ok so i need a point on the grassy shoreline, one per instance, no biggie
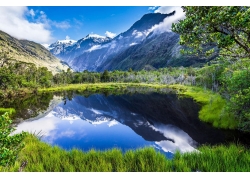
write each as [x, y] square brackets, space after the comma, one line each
[98, 86]
[212, 104]
[42, 157]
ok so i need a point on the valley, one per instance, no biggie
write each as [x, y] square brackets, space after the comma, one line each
[166, 94]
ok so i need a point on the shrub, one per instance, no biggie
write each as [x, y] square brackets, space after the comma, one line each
[10, 145]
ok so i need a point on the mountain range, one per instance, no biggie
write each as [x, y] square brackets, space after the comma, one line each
[145, 45]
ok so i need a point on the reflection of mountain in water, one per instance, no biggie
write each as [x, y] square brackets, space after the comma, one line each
[156, 117]
[103, 122]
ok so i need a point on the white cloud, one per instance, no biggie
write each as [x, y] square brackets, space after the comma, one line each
[48, 23]
[110, 34]
[67, 133]
[137, 34]
[93, 48]
[46, 45]
[13, 22]
[61, 25]
[46, 126]
[32, 13]
[67, 37]
[165, 26]
[153, 7]
[112, 123]
[182, 141]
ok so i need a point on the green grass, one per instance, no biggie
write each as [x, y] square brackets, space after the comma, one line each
[41, 157]
[221, 158]
[11, 111]
[97, 86]
[212, 106]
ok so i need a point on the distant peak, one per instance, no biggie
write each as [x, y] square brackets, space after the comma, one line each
[66, 41]
[95, 36]
[158, 14]
[149, 20]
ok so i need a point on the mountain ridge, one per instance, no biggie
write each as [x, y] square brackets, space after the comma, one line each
[140, 47]
[29, 52]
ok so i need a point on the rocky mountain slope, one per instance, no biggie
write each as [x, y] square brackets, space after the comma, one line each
[29, 52]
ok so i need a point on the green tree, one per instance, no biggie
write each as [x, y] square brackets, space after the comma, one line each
[45, 76]
[105, 76]
[7, 79]
[225, 27]
[238, 87]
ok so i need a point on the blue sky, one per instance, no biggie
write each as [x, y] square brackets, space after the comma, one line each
[78, 21]
[46, 24]
[47, 21]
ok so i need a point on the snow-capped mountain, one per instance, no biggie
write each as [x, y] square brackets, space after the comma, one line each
[59, 46]
[147, 43]
[69, 51]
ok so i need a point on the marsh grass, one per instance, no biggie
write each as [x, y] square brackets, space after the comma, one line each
[231, 158]
[42, 157]
[98, 86]
[213, 106]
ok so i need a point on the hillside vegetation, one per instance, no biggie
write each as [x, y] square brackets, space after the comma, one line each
[29, 52]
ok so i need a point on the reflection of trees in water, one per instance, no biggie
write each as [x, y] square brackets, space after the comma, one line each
[122, 91]
[29, 106]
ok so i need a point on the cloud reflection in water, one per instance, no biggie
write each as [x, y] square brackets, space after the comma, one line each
[88, 121]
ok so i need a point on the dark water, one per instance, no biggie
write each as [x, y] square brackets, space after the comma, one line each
[127, 121]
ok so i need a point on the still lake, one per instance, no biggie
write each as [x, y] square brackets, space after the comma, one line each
[125, 121]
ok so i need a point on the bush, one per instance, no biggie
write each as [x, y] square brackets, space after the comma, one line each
[10, 145]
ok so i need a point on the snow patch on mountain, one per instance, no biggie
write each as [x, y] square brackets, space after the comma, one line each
[96, 38]
[132, 44]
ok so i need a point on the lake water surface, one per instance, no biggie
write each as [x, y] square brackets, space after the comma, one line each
[127, 121]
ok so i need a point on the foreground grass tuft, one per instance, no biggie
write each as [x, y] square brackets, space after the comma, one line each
[41, 157]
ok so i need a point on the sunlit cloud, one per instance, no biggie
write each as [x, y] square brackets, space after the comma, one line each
[46, 126]
[182, 141]
[112, 123]
[165, 26]
[110, 34]
[95, 47]
[14, 22]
